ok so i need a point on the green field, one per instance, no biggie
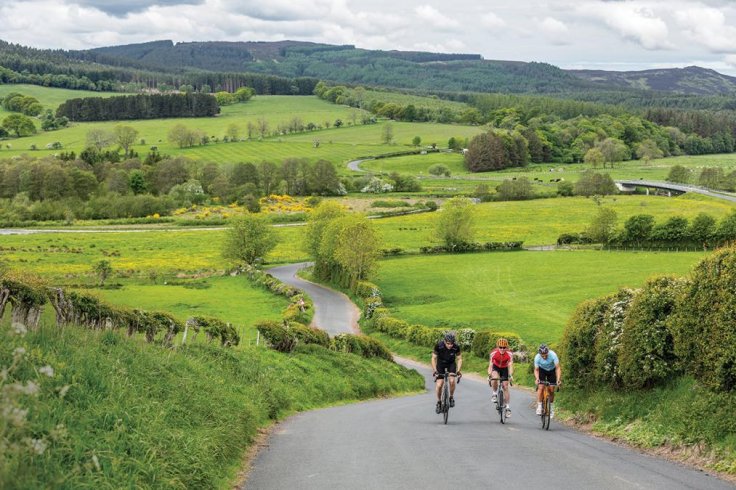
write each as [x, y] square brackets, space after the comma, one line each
[529, 293]
[541, 221]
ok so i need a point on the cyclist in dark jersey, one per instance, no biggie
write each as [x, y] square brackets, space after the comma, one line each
[446, 355]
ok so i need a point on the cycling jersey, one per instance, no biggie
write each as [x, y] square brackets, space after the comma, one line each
[501, 359]
[546, 364]
[446, 357]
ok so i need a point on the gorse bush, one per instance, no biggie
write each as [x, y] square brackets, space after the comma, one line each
[579, 341]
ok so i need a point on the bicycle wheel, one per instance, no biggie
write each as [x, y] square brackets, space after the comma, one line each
[446, 400]
[545, 414]
[501, 405]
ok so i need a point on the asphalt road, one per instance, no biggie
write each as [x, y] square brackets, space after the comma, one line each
[401, 444]
[333, 311]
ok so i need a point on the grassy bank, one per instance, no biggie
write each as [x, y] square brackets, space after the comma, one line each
[104, 411]
[681, 420]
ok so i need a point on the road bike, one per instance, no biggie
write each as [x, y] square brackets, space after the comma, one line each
[501, 398]
[546, 409]
[445, 398]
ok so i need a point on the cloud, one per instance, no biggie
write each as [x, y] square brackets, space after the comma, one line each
[555, 31]
[632, 20]
[492, 21]
[707, 26]
[730, 60]
[120, 9]
[450, 46]
[432, 16]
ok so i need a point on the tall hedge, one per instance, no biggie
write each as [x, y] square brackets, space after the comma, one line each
[704, 324]
[647, 356]
[579, 340]
[608, 340]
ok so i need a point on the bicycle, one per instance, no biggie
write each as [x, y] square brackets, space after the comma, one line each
[501, 398]
[445, 399]
[546, 410]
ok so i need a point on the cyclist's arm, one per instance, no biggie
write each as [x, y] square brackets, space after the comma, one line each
[558, 372]
[511, 367]
[490, 365]
[459, 361]
[434, 362]
[536, 373]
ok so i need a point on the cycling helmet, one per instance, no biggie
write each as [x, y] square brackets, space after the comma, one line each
[450, 337]
[502, 343]
[543, 349]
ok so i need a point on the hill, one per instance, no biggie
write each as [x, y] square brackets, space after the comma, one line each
[690, 80]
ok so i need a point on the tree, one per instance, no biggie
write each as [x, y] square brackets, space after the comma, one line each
[233, 132]
[416, 141]
[593, 183]
[515, 189]
[319, 218]
[594, 157]
[679, 174]
[455, 223]
[137, 182]
[125, 137]
[613, 150]
[248, 238]
[244, 94]
[19, 124]
[182, 136]
[102, 270]
[356, 248]
[702, 229]
[603, 225]
[262, 125]
[648, 150]
[99, 138]
[638, 228]
[387, 133]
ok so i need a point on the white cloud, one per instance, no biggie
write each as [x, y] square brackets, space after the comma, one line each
[707, 26]
[431, 15]
[492, 21]
[632, 20]
[555, 31]
[730, 60]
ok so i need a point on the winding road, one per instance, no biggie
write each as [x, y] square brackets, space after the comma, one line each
[401, 443]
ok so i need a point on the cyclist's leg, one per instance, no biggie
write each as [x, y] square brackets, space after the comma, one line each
[438, 388]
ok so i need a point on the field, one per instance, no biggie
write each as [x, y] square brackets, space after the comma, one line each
[529, 293]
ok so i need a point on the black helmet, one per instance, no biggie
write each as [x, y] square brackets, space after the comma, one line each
[450, 337]
[543, 349]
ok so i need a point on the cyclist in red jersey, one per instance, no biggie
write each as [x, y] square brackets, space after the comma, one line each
[501, 366]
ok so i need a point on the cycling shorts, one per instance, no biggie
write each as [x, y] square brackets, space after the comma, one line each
[550, 376]
[451, 368]
[502, 372]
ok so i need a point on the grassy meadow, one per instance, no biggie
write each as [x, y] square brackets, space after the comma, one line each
[113, 412]
[530, 293]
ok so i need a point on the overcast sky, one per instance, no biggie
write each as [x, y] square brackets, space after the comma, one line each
[595, 34]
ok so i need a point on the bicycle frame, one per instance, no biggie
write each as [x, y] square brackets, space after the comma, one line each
[500, 400]
[445, 399]
[546, 411]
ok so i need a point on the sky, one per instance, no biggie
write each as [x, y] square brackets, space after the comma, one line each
[580, 34]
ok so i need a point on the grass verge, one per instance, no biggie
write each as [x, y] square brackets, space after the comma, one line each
[98, 410]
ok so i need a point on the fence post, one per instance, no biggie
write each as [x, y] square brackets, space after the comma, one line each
[258, 337]
[184, 337]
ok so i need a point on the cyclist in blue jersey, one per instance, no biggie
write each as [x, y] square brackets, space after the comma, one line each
[546, 368]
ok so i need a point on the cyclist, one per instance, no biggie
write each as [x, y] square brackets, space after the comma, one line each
[546, 368]
[446, 355]
[501, 365]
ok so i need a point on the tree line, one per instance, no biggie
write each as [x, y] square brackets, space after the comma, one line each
[53, 189]
[127, 107]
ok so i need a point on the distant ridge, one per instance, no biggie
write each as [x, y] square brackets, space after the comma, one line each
[692, 80]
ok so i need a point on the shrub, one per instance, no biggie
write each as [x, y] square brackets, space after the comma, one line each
[485, 341]
[577, 348]
[608, 339]
[647, 355]
[703, 324]
[278, 337]
[365, 289]
[309, 335]
[361, 345]
[465, 337]
[439, 170]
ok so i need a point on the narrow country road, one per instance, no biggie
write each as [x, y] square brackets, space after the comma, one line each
[401, 443]
[333, 311]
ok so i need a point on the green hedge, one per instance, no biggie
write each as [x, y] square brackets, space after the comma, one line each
[577, 348]
[485, 342]
[704, 325]
[608, 339]
[361, 345]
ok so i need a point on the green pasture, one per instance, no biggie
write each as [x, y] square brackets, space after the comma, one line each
[545, 173]
[541, 221]
[366, 96]
[50, 98]
[232, 299]
[403, 134]
[529, 293]
[132, 254]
